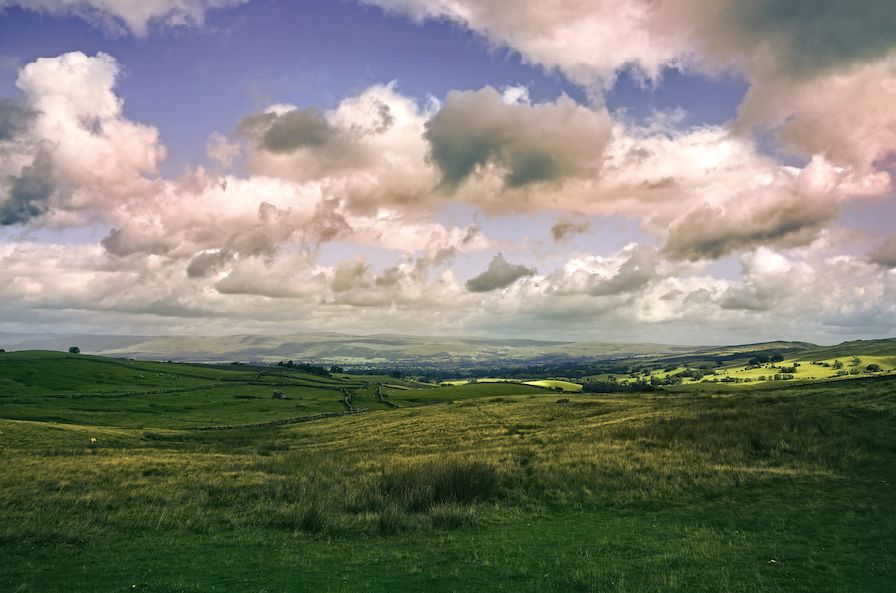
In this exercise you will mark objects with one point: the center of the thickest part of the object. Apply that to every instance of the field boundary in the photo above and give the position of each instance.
(294, 420)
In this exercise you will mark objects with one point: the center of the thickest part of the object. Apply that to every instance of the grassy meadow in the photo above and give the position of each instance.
(502, 487)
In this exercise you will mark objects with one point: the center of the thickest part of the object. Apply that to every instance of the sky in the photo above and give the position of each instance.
(671, 171)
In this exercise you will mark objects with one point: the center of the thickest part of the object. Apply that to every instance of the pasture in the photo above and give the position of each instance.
(509, 487)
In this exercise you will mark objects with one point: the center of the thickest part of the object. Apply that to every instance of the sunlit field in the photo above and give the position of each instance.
(495, 486)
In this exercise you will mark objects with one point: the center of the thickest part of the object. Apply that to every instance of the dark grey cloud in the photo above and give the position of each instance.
(809, 36)
(708, 232)
(565, 227)
(207, 262)
(13, 118)
(128, 241)
(499, 274)
(307, 128)
(885, 254)
(29, 193)
(296, 129)
(327, 224)
(545, 143)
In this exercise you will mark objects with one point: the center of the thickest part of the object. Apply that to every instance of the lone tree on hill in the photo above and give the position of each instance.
(74, 350)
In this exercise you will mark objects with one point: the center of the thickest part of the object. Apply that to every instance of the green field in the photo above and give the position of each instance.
(555, 384)
(766, 486)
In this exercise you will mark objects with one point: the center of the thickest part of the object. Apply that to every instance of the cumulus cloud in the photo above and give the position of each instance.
(72, 133)
(29, 194)
(121, 15)
(221, 150)
(591, 41)
(804, 60)
(14, 118)
(369, 150)
(885, 254)
(587, 41)
(789, 210)
(768, 278)
(630, 270)
(529, 144)
(847, 117)
(499, 274)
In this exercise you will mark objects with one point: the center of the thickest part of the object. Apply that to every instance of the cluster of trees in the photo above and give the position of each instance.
(307, 368)
(616, 387)
(762, 359)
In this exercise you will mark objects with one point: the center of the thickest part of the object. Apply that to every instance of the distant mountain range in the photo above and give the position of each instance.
(337, 348)
(382, 350)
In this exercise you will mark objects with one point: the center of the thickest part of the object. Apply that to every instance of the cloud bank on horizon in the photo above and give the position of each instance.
(481, 211)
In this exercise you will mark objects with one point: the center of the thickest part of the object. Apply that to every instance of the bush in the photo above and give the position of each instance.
(418, 486)
(452, 515)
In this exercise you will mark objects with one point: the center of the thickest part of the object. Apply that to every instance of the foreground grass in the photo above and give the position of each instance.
(784, 490)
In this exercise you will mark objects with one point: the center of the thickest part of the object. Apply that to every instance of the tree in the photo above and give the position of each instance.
(335, 369)
(838, 364)
(777, 358)
(873, 368)
(396, 374)
(74, 350)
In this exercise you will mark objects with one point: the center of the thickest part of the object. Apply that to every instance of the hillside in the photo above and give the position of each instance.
(114, 480)
(344, 349)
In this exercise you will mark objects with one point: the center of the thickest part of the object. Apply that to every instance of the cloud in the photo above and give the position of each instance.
(285, 132)
(207, 262)
(40, 284)
(118, 15)
(847, 117)
(29, 194)
(565, 227)
(499, 274)
(630, 270)
(587, 41)
(591, 41)
(221, 150)
(885, 254)
(805, 61)
(789, 210)
(548, 142)
(369, 151)
(72, 134)
(768, 278)
(13, 118)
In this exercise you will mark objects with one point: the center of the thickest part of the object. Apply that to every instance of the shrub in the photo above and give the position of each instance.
(452, 515)
(417, 486)
(392, 520)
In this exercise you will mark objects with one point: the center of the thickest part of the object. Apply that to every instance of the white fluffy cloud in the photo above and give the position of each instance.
(75, 150)
(587, 41)
(135, 16)
(368, 151)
